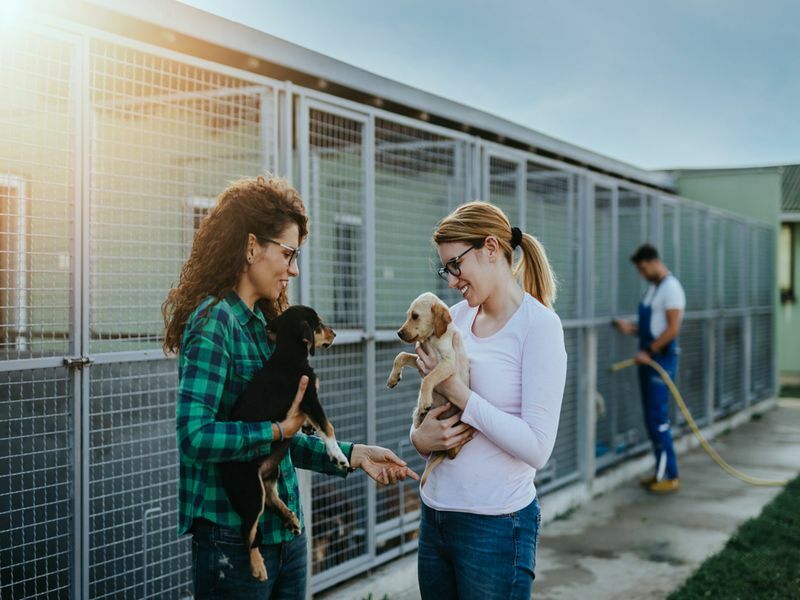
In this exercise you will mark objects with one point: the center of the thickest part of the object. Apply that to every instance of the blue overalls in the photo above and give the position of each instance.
(656, 395)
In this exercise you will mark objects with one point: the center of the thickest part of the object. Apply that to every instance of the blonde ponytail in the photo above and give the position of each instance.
(537, 278)
(472, 222)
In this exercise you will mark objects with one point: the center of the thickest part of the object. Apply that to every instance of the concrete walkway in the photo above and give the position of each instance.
(628, 544)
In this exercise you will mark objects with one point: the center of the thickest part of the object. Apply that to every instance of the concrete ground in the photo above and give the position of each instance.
(628, 544)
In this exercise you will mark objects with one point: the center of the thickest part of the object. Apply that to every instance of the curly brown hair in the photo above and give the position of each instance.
(263, 206)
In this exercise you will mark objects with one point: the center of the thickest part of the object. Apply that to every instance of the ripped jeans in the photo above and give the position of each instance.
(221, 566)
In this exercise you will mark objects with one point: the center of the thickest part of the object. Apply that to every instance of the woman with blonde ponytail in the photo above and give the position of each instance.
(480, 516)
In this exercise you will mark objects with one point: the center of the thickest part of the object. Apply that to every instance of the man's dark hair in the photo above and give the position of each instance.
(645, 252)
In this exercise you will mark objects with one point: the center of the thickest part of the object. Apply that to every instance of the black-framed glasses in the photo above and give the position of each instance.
(452, 266)
(295, 252)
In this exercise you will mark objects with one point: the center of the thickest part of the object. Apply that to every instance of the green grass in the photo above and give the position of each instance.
(761, 560)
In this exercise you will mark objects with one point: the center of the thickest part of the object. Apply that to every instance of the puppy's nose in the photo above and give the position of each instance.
(401, 334)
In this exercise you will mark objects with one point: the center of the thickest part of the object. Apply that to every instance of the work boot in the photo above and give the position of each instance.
(665, 486)
(646, 482)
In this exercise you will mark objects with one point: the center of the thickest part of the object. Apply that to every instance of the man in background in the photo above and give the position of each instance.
(660, 314)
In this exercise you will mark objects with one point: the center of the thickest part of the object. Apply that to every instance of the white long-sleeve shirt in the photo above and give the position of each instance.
(517, 378)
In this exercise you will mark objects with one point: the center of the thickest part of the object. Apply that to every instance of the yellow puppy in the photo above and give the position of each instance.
(428, 319)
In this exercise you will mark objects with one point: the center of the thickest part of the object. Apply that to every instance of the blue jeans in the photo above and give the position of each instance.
(221, 566)
(467, 556)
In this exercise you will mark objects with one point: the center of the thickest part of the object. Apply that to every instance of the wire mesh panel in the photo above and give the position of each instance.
(339, 527)
(134, 550)
(669, 235)
(552, 216)
(504, 186)
(36, 484)
(397, 510)
(762, 356)
(336, 197)
(620, 422)
(632, 227)
(419, 178)
(167, 138)
(692, 370)
(730, 353)
(762, 266)
(605, 397)
(717, 253)
(602, 251)
(37, 166)
(563, 464)
(693, 256)
(733, 279)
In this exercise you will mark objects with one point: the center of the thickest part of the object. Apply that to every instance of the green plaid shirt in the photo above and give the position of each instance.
(223, 346)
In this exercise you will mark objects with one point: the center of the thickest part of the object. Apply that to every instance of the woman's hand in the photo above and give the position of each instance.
(451, 388)
(433, 434)
(383, 465)
(295, 418)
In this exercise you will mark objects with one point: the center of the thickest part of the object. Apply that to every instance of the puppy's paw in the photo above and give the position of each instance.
(336, 455)
(293, 525)
(309, 429)
(393, 380)
(257, 567)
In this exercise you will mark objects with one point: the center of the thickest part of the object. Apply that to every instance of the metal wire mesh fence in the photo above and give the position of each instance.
(114, 153)
(36, 495)
(37, 169)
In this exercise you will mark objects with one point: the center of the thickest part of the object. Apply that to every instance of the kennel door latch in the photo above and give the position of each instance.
(77, 363)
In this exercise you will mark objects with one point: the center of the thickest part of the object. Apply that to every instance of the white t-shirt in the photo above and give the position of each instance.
(667, 296)
(517, 378)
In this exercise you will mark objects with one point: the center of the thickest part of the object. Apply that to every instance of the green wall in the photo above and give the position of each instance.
(754, 193)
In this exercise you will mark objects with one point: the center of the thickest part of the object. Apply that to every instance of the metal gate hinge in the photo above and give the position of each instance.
(77, 362)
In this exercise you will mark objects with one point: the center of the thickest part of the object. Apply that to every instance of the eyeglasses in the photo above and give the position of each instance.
(295, 252)
(452, 266)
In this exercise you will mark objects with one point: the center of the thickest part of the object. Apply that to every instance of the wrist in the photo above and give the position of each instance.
(281, 434)
(460, 396)
(356, 454)
(288, 427)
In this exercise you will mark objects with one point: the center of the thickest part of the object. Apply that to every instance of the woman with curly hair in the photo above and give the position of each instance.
(235, 280)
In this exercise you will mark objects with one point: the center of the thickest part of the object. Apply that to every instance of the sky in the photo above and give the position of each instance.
(673, 83)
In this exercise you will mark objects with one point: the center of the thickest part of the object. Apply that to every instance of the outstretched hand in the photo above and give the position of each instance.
(383, 465)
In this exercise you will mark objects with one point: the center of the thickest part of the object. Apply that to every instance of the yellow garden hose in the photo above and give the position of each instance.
(695, 429)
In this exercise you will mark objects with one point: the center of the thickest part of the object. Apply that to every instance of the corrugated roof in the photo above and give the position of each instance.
(790, 189)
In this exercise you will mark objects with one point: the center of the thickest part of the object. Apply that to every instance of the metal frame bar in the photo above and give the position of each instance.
(368, 160)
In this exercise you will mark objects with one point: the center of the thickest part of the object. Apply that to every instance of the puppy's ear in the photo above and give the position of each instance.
(308, 336)
(441, 319)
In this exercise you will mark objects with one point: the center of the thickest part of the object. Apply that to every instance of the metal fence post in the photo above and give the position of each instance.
(82, 279)
(587, 384)
(368, 157)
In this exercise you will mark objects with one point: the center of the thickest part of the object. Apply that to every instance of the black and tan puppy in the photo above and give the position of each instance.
(251, 486)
